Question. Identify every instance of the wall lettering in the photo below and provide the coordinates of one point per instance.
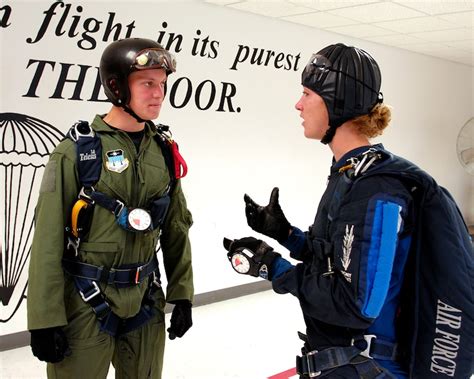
(70, 23)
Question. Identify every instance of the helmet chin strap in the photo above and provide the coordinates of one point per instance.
(133, 114)
(329, 135)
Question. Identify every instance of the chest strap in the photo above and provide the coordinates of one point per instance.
(123, 276)
(148, 219)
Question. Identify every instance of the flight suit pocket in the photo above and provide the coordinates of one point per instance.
(155, 174)
(99, 253)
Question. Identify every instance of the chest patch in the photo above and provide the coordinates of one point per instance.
(116, 161)
(346, 252)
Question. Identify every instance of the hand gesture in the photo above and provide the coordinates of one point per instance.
(268, 220)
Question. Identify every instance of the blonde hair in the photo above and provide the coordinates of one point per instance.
(372, 124)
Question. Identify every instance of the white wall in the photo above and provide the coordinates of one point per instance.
(230, 153)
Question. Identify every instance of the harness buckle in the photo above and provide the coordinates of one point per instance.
(84, 195)
(91, 293)
(74, 243)
(368, 339)
(119, 208)
(156, 280)
(81, 129)
(137, 274)
(311, 369)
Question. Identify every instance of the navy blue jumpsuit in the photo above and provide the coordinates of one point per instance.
(366, 233)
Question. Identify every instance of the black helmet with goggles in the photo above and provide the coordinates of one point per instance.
(125, 56)
(348, 79)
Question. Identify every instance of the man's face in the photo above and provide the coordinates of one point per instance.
(147, 92)
(314, 113)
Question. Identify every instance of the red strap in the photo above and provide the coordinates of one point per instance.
(180, 166)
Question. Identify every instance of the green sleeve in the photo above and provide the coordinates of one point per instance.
(177, 249)
(58, 191)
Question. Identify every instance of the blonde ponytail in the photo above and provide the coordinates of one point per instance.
(372, 125)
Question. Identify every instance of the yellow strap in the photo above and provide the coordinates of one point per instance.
(346, 167)
(76, 210)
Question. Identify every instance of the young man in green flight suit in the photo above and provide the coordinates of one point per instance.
(120, 319)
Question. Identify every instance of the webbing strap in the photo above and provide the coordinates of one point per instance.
(105, 201)
(369, 369)
(109, 322)
(123, 276)
(314, 362)
(168, 156)
(89, 152)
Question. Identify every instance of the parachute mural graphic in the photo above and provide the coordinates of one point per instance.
(25, 145)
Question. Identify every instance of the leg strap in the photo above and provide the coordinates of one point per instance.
(109, 322)
(314, 362)
(359, 354)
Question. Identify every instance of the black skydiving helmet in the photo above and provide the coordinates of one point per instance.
(348, 79)
(125, 56)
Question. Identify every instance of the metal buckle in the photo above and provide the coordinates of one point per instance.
(156, 281)
(119, 208)
(96, 291)
(137, 274)
(74, 243)
(83, 194)
(78, 134)
(368, 338)
(309, 362)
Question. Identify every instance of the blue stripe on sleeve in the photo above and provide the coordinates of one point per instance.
(295, 242)
(381, 255)
(280, 266)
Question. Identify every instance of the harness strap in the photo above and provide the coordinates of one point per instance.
(91, 294)
(314, 362)
(369, 369)
(105, 201)
(109, 322)
(156, 214)
(383, 350)
(89, 152)
(120, 277)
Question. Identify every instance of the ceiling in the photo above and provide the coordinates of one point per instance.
(439, 28)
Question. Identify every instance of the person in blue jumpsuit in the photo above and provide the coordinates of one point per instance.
(352, 259)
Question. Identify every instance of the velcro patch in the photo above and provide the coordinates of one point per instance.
(48, 183)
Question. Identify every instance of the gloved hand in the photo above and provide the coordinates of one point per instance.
(268, 220)
(181, 319)
(260, 257)
(49, 344)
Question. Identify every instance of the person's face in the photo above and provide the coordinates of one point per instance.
(314, 113)
(147, 92)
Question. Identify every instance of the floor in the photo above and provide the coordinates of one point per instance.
(250, 337)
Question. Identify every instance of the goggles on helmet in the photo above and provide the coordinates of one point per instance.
(319, 65)
(154, 58)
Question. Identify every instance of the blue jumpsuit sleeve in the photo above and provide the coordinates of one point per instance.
(364, 241)
(279, 267)
(295, 243)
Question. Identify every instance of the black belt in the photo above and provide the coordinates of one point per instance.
(123, 276)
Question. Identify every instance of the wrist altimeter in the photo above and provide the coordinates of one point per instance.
(242, 261)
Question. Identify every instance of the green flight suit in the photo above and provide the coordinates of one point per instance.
(52, 297)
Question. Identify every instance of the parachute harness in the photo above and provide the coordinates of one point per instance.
(87, 276)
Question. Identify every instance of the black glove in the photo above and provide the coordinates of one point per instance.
(50, 344)
(260, 257)
(268, 220)
(181, 319)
